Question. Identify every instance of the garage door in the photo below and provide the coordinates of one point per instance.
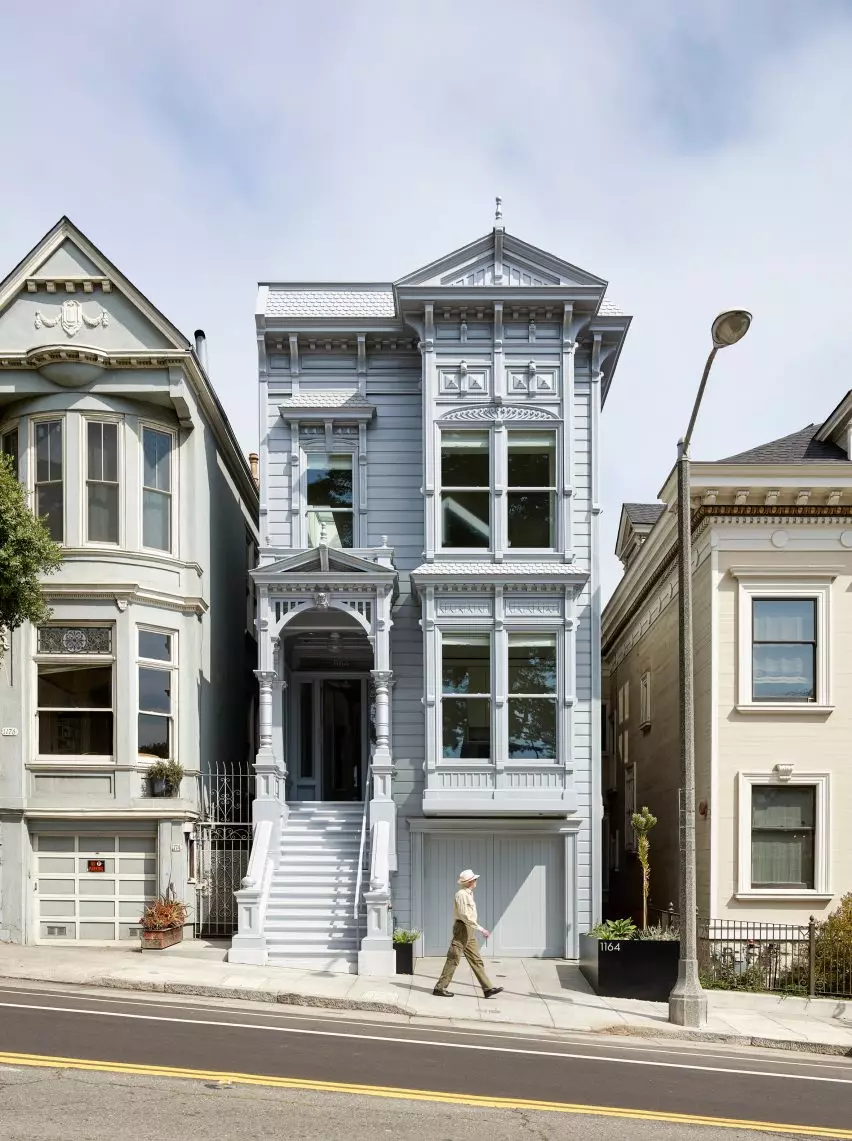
(93, 887)
(520, 898)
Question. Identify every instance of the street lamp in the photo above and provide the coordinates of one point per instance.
(687, 1001)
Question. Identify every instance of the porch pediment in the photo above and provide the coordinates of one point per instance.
(330, 565)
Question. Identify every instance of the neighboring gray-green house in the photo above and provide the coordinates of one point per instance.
(429, 608)
(122, 444)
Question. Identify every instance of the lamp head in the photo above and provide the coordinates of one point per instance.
(730, 327)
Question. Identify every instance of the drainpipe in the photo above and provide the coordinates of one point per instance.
(201, 348)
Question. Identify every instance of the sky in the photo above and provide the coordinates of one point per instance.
(694, 153)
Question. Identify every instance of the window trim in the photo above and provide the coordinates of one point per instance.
(821, 782)
(806, 583)
(499, 489)
(645, 700)
(49, 418)
(170, 666)
(86, 481)
(39, 659)
(173, 548)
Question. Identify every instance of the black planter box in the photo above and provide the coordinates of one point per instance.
(404, 958)
(630, 968)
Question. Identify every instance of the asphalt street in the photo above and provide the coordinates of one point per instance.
(248, 1053)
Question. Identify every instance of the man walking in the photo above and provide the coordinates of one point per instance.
(465, 926)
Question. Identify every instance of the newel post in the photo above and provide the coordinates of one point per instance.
(382, 805)
(270, 771)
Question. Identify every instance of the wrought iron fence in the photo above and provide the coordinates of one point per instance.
(812, 959)
(222, 846)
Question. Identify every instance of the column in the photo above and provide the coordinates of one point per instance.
(270, 772)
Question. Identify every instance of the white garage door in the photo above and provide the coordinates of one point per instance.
(93, 887)
(520, 898)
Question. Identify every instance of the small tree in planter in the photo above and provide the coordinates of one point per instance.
(643, 822)
(165, 778)
(403, 945)
(162, 921)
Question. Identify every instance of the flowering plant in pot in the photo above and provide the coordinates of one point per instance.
(162, 921)
(403, 945)
(165, 778)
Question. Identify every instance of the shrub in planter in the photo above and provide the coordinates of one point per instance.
(165, 778)
(162, 922)
(403, 945)
(622, 962)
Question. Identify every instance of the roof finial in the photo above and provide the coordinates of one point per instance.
(498, 213)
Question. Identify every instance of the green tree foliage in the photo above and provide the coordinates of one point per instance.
(26, 553)
(833, 952)
(643, 822)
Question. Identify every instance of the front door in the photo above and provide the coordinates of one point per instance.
(329, 737)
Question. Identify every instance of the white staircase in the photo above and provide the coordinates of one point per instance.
(310, 917)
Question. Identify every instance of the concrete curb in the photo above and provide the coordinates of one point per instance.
(321, 1002)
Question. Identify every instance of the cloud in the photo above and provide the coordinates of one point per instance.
(694, 154)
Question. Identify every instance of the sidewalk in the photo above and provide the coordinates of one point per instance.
(544, 994)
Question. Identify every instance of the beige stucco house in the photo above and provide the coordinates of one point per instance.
(772, 581)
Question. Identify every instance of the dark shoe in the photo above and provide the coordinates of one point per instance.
(492, 991)
(441, 993)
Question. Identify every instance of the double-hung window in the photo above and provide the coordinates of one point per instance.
(531, 497)
(157, 489)
(329, 495)
(469, 488)
(75, 691)
(783, 832)
(102, 481)
(532, 697)
(784, 649)
(465, 489)
(466, 697)
(49, 493)
(156, 685)
(9, 448)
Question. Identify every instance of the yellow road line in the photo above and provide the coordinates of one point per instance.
(475, 1100)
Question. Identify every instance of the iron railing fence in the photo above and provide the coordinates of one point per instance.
(223, 836)
(812, 959)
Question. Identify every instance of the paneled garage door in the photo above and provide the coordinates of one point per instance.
(93, 887)
(520, 898)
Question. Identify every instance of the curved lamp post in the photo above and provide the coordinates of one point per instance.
(687, 1001)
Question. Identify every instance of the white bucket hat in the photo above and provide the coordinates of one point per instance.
(468, 876)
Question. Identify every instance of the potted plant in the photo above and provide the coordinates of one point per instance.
(620, 961)
(162, 922)
(403, 945)
(165, 778)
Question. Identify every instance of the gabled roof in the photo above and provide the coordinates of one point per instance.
(324, 563)
(800, 447)
(643, 514)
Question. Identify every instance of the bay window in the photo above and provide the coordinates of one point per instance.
(466, 697)
(155, 718)
(9, 448)
(470, 484)
(329, 494)
(532, 697)
(465, 489)
(102, 481)
(157, 489)
(49, 486)
(75, 691)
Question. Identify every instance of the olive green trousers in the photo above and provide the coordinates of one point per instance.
(464, 943)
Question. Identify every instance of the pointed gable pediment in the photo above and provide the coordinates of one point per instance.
(67, 293)
(503, 261)
(328, 563)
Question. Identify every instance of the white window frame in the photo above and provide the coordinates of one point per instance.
(153, 426)
(42, 659)
(171, 667)
(84, 455)
(333, 446)
(645, 700)
(498, 489)
(821, 890)
(807, 583)
(469, 636)
(33, 467)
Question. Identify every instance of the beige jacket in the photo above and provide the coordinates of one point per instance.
(464, 909)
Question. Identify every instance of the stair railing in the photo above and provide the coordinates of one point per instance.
(359, 883)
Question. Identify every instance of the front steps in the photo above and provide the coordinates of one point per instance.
(309, 917)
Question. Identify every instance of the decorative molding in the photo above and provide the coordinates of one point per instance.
(490, 412)
(71, 318)
(449, 606)
(533, 607)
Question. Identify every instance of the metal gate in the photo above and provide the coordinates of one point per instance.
(222, 847)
